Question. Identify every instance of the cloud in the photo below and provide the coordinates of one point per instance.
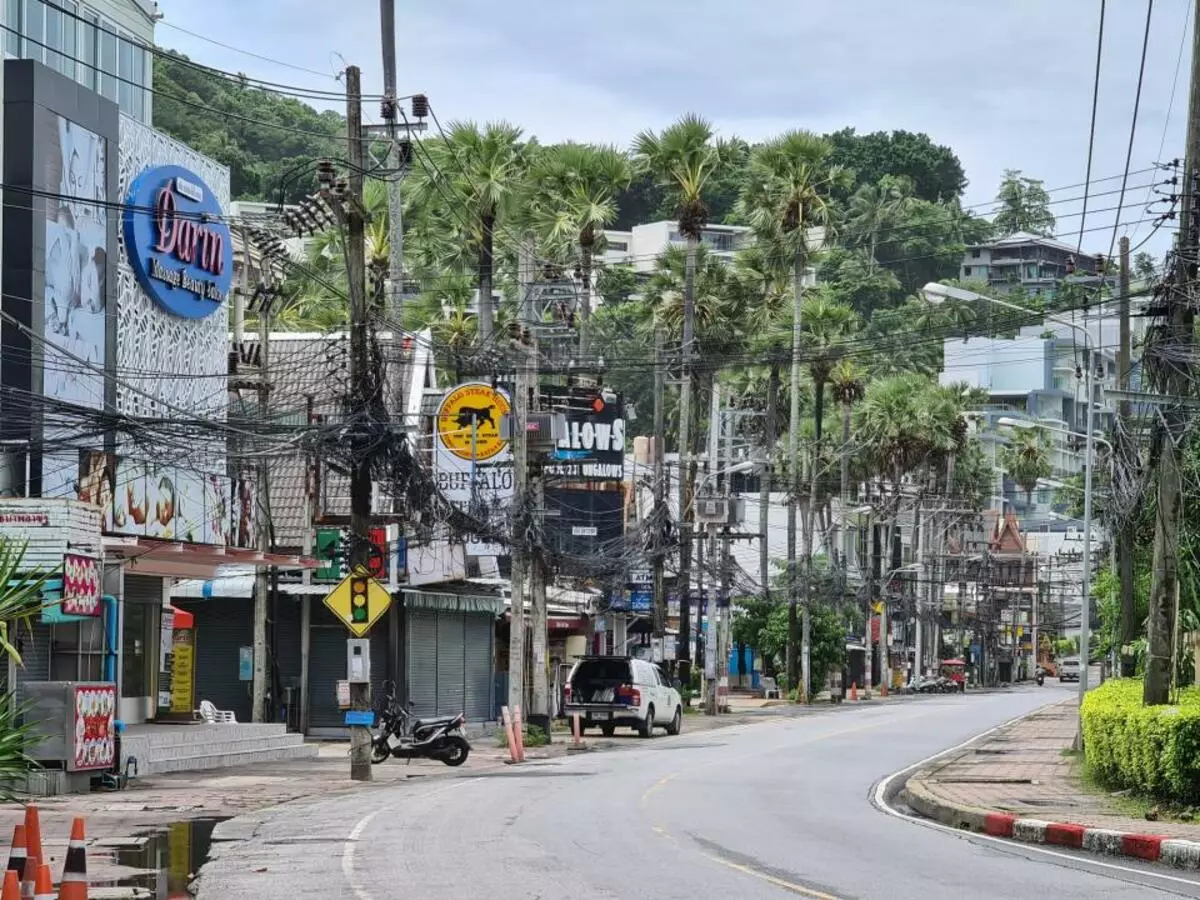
(1005, 85)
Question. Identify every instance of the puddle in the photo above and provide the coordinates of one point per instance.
(159, 864)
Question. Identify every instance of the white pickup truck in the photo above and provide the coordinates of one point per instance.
(608, 691)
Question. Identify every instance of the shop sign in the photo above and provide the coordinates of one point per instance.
(178, 244)
(31, 520)
(80, 586)
(183, 662)
(94, 709)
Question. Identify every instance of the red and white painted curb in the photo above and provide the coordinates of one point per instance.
(1149, 847)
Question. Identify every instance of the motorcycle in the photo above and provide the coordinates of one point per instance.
(1040, 676)
(401, 736)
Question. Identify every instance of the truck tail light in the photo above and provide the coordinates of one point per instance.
(629, 695)
(567, 692)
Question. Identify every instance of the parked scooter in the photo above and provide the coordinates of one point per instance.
(402, 736)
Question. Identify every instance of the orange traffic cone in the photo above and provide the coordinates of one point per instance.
(16, 856)
(33, 835)
(854, 692)
(43, 888)
(74, 880)
(12, 886)
(29, 879)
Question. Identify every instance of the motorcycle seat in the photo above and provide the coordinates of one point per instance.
(436, 720)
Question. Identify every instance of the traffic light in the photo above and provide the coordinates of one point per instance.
(358, 600)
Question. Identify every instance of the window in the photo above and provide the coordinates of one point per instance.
(1043, 497)
(108, 63)
(966, 271)
(975, 251)
(138, 75)
(12, 22)
(619, 246)
(719, 240)
(34, 29)
(125, 86)
(67, 45)
(77, 651)
(85, 50)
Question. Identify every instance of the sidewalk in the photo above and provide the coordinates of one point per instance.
(1023, 781)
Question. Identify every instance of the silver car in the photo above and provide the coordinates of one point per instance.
(1068, 669)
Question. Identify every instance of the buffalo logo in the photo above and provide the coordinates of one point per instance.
(468, 415)
(469, 419)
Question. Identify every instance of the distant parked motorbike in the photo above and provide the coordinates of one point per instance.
(401, 736)
(1040, 677)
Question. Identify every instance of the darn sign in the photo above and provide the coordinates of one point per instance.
(177, 241)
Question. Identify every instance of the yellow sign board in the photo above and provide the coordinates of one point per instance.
(359, 601)
(468, 421)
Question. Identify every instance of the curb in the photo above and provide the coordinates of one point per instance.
(1181, 854)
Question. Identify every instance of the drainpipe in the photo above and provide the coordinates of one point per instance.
(111, 637)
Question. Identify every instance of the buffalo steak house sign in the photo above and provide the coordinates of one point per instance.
(177, 242)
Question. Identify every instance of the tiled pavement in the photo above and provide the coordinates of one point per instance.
(1025, 768)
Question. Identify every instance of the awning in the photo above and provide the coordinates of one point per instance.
(174, 559)
(237, 583)
(414, 599)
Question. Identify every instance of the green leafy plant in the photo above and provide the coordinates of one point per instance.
(20, 596)
(1153, 750)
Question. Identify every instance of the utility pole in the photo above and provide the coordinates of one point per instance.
(395, 161)
(1156, 688)
(793, 663)
(683, 651)
(1124, 529)
(540, 700)
(519, 437)
(723, 607)
(361, 393)
(712, 642)
(262, 580)
(764, 487)
(660, 490)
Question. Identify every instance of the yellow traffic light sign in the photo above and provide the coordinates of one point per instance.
(359, 601)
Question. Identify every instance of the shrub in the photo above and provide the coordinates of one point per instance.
(1154, 750)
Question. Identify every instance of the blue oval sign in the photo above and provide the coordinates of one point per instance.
(177, 241)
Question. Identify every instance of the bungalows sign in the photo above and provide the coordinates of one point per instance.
(178, 244)
(592, 447)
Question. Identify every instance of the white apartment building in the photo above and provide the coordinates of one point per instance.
(102, 44)
(642, 245)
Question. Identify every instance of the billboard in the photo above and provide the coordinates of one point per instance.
(178, 245)
(472, 462)
(592, 444)
(76, 253)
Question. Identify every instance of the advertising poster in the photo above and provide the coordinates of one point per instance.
(183, 662)
(75, 265)
(94, 709)
(472, 462)
(81, 585)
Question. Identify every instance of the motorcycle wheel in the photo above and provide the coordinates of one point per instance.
(380, 750)
(456, 751)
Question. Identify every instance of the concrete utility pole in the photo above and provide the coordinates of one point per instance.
(519, 437)
(395, 162)
(764, 487)
(683, 653)
(793, 663)
(660, 491)
(1156, 688)
(1123, 539)
(723, 607)
(540, 700)
(712, 642)
(363, 402)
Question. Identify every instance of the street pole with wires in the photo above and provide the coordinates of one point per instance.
(395, 161)
(1175, 382)
(793, 628)
(362, 402)
(683, 653)
(1123, 539)
(660, 492)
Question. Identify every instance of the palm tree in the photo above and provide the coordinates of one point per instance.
(572, 198)
(1027, 459)
(684, 158)
(476, 174)
(785, 200)
(872, 208)
(847, 383)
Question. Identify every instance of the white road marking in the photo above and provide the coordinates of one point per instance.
(351, 840)
(879, 799)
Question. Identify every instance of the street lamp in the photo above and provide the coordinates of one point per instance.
(938, 293)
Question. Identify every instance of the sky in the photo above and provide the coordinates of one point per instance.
(1007, 85)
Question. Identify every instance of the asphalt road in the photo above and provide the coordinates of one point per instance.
(772, 810)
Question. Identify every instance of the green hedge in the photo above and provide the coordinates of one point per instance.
(1154, 750)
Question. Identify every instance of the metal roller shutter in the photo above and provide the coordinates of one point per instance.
(451, 673)
(223, 626)
(33, 645)
(422, 656)
(478, 634)
(326, 667)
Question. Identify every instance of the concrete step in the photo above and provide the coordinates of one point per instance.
(183, 735)
(216, 748)
(199, 761)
